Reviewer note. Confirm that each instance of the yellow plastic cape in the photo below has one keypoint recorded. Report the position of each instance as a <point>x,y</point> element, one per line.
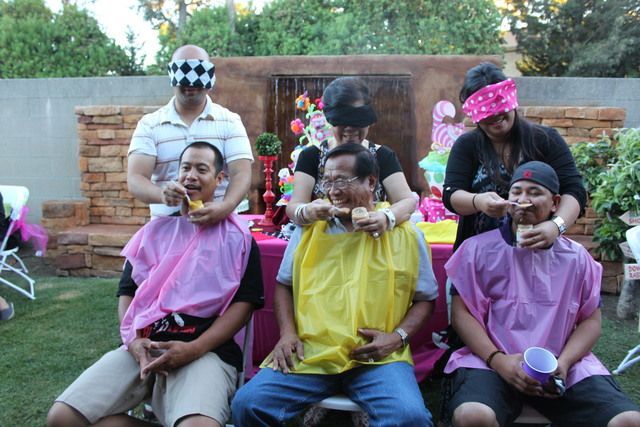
<point>343,282</point>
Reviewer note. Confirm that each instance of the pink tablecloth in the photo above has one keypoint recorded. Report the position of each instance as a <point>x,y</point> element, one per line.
<point>266,334</point>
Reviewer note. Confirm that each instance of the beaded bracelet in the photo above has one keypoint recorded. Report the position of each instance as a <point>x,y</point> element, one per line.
<point>491,356</point>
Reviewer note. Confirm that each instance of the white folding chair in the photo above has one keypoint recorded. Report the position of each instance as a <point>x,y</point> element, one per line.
<point>339,402</point>
<point>16,197</point>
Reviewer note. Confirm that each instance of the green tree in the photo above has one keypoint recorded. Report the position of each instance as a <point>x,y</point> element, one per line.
<point>334,27</point>
<point>34,42</point>
<point>171,19</point>
<point>591,38</point>
<point>415,27</point>
<point>209,28</point>
<point>135,61</point>
<point>293,27</point>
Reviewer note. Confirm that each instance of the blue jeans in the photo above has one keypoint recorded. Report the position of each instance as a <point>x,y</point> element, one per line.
<point>388,394</point>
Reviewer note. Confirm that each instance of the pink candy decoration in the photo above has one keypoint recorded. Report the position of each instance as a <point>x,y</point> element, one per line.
<point>434,211</point>
<point>444,135</point>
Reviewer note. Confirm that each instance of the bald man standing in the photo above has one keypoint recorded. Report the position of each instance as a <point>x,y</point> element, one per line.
<point>190,116</point>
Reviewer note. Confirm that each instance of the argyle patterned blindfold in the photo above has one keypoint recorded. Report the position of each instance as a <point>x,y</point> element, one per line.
<point>192,73</point>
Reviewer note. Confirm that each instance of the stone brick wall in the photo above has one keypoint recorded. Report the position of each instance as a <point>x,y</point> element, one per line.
<point>577,124</point>
<point>104,134</point>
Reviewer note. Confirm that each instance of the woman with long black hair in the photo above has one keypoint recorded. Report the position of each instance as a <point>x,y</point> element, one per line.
<point>482,161</point>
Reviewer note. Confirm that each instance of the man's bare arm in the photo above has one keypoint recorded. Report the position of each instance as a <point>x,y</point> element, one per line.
<point>139,170</point>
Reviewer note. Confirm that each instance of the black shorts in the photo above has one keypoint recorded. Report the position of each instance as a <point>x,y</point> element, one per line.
<point>592,402</point>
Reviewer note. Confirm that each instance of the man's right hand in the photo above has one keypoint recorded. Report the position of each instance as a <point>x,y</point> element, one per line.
<point>173,194</point>
<point>509,367</point>
<point>322,210</point>
<point>139,349</point>
<point>282,355</point>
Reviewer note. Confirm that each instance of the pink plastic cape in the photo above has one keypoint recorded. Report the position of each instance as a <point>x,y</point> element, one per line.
<point>184,268</point>
<point>37,234</point>
<point>525,297</point>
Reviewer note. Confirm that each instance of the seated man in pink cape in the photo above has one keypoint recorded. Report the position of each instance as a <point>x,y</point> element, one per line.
<point>195,287</point>
<point>507,299</point>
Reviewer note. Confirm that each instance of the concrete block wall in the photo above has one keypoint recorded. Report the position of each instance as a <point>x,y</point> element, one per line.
<point>39,142</point>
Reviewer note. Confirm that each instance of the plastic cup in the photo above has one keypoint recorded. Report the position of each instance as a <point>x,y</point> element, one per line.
<point>539,363</point>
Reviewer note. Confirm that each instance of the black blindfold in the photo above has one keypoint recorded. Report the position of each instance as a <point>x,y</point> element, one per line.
<point>346,115</point>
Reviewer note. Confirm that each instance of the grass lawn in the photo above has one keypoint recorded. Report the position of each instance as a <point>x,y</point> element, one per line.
<point>73,322</point>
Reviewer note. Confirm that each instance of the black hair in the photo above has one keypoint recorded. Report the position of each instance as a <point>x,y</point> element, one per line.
<point>217,155</point>
<point>346,91</point>
<point>522,135</point>
<point>365,164</point>
<point>483,74</point>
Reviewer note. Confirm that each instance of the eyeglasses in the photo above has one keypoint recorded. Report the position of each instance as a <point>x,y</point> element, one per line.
<point>338,184</point>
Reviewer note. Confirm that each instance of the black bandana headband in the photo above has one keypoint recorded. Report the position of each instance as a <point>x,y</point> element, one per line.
<point>192,73</point>
<point>346,115</point>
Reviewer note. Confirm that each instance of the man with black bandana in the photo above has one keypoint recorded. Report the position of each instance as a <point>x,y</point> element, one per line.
<point>190,115</point>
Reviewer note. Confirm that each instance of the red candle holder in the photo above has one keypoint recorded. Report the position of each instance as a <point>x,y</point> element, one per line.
<point>269,197</point>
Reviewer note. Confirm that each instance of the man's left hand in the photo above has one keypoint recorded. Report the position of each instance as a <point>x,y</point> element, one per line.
<point>380,346</point>
<point>541,236</point>
<point>211,213</point>
<point>174,355</point>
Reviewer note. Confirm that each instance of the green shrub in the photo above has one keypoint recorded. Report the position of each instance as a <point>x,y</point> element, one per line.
<point>268,144</point>
<point>615,191</point>
<point>592,159</point>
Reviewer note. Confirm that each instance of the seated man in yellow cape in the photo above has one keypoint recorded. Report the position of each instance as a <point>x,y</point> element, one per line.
<point>347,304</point>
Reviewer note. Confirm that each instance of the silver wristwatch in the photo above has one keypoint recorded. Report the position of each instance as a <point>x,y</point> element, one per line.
<point>404,336</point>
<point>391,218</point>
<point>557,220</point>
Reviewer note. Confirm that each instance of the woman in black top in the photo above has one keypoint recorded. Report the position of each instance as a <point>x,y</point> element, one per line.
<point>347,108</point>
<point>481,162</point>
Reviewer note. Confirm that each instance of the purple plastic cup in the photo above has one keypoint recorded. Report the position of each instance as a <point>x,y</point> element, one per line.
<point>539,363</point>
